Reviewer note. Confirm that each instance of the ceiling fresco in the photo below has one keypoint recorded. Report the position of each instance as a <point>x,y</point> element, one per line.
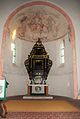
<point>39,21</point>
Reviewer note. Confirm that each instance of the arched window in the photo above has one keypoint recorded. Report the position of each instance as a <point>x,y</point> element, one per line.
<point>61,52</point>
<point>13,49</point>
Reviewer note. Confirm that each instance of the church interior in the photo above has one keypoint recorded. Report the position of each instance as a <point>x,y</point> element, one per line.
<point>39,58</point>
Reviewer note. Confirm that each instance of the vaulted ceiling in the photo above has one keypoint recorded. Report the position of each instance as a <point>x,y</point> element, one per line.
<point>39,21</point>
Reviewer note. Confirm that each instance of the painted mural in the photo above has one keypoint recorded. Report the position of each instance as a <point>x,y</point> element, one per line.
<point>39,22</point>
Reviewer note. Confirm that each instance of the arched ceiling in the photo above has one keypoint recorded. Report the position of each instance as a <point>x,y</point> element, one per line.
<point>39,21</point>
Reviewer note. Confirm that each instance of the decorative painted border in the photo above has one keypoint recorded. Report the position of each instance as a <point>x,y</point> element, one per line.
<point>71,27</point>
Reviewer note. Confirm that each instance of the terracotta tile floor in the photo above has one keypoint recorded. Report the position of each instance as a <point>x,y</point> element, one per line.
<point>43,115</point>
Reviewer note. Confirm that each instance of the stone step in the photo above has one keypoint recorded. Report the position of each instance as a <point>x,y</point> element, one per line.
<point>37,97</point>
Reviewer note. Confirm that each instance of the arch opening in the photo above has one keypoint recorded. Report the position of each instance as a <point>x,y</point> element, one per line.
<point>27,5</point>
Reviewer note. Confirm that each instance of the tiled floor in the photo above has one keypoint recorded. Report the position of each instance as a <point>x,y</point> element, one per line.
<point>67,109</point>
<point>43,115</point>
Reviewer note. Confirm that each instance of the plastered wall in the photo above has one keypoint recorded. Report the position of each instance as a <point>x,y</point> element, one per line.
<point>71,7</point>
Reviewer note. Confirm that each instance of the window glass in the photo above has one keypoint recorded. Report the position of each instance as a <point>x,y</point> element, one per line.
<point>62,52</point>
<point>13,48</point>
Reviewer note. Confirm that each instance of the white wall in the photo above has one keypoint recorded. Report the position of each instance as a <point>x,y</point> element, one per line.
<point>71,7</point>
<point>60,78</point>
<point>16,75</point>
